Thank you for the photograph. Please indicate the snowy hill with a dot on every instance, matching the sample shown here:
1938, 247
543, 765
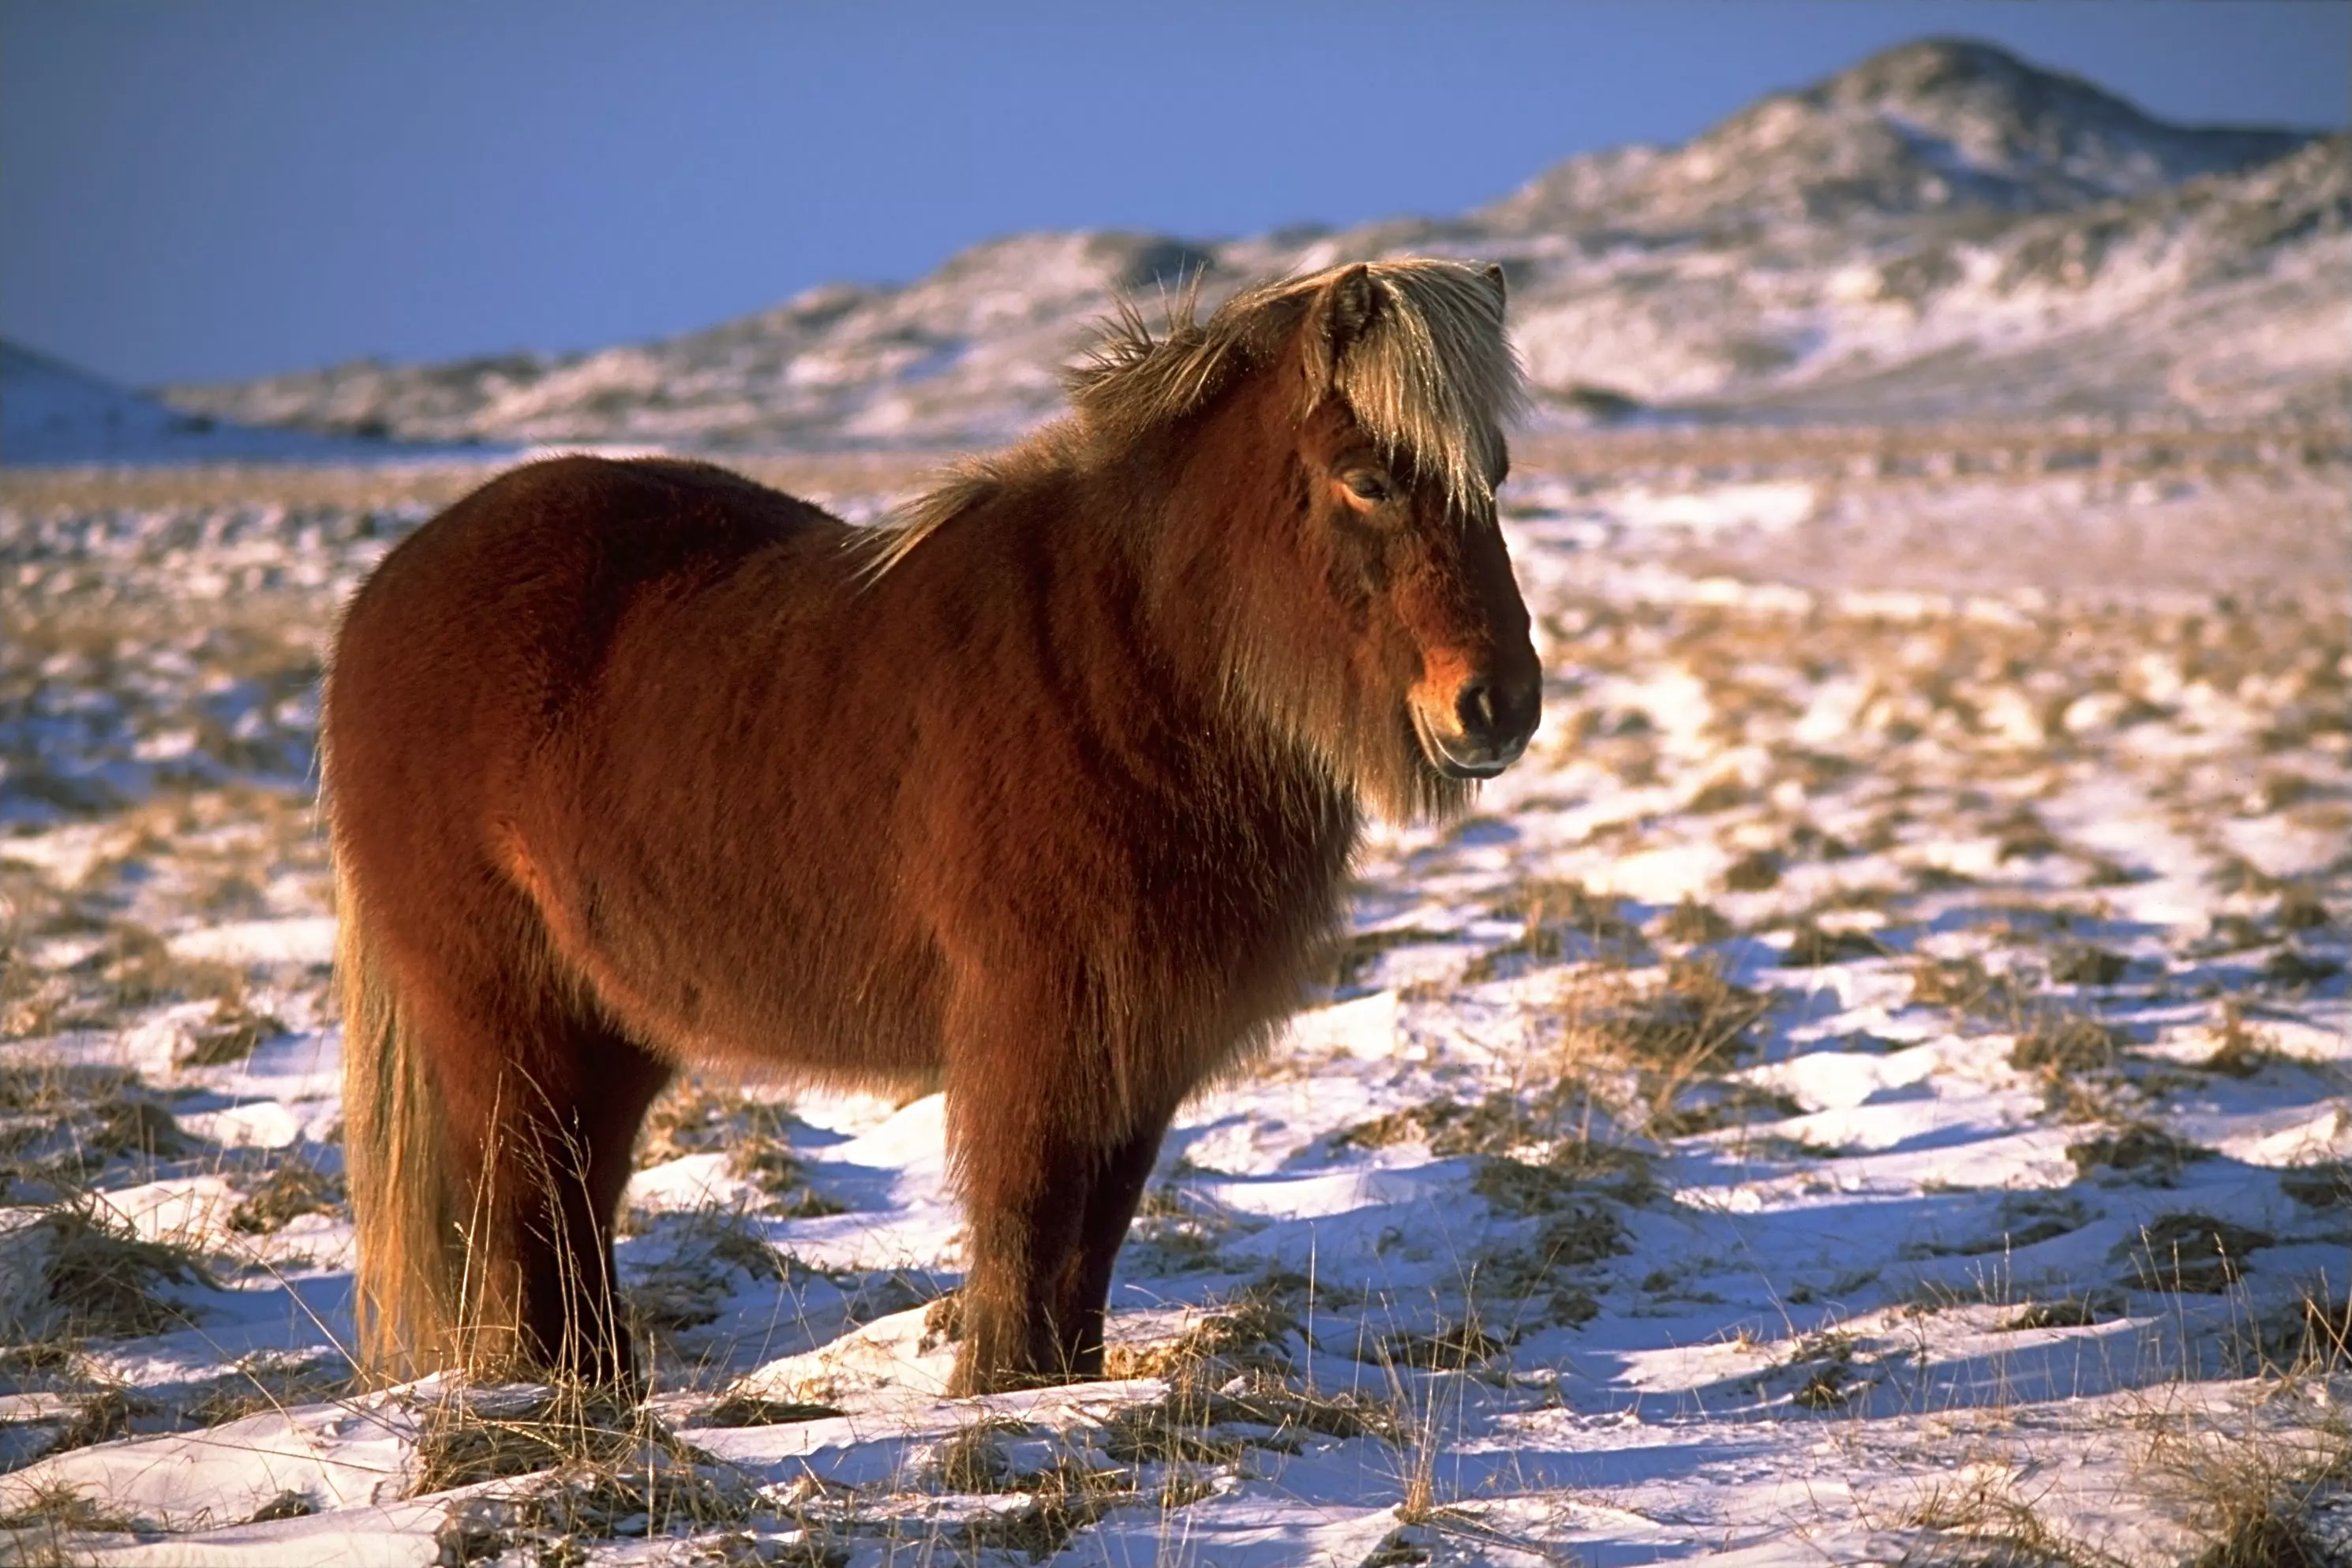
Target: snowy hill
1935, 126
1942, 232
53, 413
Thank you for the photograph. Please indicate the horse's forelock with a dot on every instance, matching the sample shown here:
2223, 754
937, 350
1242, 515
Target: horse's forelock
1432, 378
1431, 375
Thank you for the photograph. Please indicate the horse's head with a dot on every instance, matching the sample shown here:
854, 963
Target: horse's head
1394, 467
1329, 447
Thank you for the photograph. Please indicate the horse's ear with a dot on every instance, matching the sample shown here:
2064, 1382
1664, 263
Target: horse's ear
1345, 309
1494, 276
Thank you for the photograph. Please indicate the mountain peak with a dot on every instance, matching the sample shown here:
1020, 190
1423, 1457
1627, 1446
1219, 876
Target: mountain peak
1926, 69
1935, 124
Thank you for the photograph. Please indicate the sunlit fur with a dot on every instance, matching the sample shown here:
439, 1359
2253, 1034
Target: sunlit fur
636, 765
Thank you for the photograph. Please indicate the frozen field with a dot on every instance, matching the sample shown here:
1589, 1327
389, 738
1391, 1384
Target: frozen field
1870, 1088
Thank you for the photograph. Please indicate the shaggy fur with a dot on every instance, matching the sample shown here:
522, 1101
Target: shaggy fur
637, 766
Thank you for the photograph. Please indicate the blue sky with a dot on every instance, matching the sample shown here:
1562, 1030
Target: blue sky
239, 186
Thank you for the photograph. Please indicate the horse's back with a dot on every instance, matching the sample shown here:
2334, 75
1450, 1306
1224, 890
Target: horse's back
521, 583
576, 538
460, 657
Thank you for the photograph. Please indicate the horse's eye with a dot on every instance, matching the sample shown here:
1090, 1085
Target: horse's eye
1368, 485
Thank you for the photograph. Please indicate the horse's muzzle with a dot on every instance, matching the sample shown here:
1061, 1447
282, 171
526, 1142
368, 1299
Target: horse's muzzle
1487, 730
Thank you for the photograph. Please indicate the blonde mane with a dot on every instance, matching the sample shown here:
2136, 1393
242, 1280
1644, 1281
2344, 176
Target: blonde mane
1430, 377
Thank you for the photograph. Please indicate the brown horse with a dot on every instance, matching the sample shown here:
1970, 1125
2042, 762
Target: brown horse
1043, 794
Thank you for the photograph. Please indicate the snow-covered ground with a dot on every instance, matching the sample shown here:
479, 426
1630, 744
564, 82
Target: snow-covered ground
1871, 1088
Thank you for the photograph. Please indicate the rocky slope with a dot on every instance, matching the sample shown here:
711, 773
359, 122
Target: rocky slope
1943, 232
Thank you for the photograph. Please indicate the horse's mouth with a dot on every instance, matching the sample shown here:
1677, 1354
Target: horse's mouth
1456, 761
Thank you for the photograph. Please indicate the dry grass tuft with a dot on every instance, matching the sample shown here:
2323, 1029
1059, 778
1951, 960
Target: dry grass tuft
2024, 836
2138, 1152
652, 1491
54, 1511
694, 1118
271, 1381
2243, 1052
602, 1467
2189, 1253
1361, 952
1983, 1523
103, 1281
2265, 1539
59, 1124
1543, 903
2065, 1046
1251, 1334
285, 1505
1449, 1347
2083, 963
1499, 1122
1577, 1233
973, 1459
1693, 923
293, 1187
1189, 1425
750, 1410
2314, 1334
1963, 986
138, 970
480, 1435
2257, 1502
1062, 1500
1576, 1169
2301, 908
2063, 1312
2323, 1184
230, 1037
2025, 1220
1174, 1430
137, 1127
690, 1289
1811, 946
776, 1171
1401, 1548
1710, 1107
101, 1417
1688, 1019
1581, 1237
50, 1089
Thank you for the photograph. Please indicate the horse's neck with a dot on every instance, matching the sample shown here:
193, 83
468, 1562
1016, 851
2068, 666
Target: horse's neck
1140, 611
1205, 613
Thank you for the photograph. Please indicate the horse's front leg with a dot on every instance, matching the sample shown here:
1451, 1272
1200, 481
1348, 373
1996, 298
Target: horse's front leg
1047, 1204
1082, 1292
1025, 1183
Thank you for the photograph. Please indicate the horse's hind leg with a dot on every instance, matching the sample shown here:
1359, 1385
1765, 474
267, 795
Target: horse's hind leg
540, 1110
566, 1155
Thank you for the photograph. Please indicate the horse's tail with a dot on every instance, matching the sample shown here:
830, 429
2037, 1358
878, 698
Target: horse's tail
410, 1278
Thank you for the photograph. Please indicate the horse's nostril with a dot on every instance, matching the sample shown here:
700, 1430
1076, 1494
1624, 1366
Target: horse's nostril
1475, 708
